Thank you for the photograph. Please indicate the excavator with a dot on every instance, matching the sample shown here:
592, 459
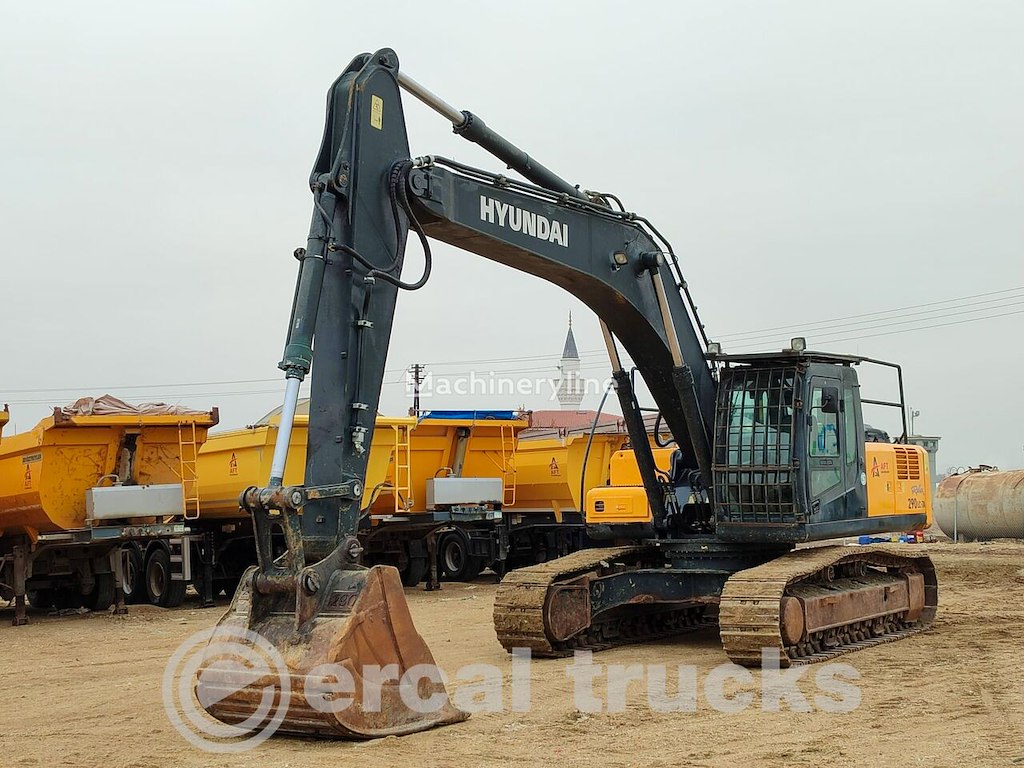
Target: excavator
767, 451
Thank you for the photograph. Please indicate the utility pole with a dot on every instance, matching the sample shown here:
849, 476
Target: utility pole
417, 379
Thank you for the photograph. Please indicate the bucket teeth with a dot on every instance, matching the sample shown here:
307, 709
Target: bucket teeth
357, 670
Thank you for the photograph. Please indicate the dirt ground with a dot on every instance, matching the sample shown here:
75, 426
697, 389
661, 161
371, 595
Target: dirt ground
86, 691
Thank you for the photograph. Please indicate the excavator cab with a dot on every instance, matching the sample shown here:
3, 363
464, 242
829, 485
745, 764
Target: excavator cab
790, 461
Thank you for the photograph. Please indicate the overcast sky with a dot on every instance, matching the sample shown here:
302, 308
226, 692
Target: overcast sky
811, 163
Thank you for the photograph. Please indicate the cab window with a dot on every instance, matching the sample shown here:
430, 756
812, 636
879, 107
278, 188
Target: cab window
823, 446
850, 435
760, 421
824, 428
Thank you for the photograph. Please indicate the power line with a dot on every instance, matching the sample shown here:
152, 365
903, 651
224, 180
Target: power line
929, 327
755, 339
148, 386
926, 314
744, 339
869, 314
902, 330
821, 325
179, 398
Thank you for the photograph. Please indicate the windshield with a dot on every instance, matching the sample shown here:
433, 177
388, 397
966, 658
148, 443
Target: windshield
759, 423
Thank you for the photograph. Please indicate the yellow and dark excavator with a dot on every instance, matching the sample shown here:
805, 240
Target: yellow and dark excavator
767, 451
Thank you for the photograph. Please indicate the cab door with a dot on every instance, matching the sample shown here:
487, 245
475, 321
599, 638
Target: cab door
826, 462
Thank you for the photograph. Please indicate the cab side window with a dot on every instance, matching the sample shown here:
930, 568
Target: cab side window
851, 435
824, 437
823, 446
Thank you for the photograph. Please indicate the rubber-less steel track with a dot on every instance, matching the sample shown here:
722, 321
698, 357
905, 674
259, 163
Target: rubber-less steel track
749, 612
521, 602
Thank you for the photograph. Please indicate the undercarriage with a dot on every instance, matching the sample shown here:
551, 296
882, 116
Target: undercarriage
797, 607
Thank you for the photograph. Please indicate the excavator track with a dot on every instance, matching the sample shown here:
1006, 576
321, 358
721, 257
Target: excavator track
520, 607
753, 608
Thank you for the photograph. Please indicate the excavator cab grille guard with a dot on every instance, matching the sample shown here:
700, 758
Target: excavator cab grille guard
755, 470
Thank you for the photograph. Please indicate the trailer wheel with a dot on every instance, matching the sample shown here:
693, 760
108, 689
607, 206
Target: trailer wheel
161, 589
41, 599
414, 570
134, 586
500, 568
67, 598
102, 595
455, 561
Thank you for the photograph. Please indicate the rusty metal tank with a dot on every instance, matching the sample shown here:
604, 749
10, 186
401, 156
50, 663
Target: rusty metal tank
981, 504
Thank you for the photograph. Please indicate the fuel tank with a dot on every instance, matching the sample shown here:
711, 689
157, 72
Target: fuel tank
981, 504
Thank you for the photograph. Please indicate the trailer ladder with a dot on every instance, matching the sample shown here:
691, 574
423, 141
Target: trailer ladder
188, 463
402, 481
508, 464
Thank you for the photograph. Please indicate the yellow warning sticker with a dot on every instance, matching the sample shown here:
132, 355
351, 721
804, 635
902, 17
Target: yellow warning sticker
377, 112
233, 465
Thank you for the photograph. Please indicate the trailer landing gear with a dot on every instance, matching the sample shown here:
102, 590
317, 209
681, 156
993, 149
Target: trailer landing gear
20, 575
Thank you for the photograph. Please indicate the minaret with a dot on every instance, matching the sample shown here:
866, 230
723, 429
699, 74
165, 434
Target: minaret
570, 382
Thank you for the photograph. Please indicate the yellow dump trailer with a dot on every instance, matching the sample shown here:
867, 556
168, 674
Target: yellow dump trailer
440, 480
405, 456
84, 483
229, 462
49, 475
549, 468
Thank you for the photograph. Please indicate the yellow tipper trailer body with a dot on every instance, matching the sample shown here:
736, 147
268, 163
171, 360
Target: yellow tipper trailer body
453, 487
45, 472
404, 455
230, 462
443, 446
548, 470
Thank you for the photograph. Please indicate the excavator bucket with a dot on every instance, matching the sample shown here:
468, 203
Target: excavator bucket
355, 669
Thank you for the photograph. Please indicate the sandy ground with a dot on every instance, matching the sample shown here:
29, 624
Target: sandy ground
86, 691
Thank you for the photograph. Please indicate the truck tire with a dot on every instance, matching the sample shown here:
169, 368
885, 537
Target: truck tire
41, 599
414, 571
67, 598
102, 595
456, 563
134, 577
161, 589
